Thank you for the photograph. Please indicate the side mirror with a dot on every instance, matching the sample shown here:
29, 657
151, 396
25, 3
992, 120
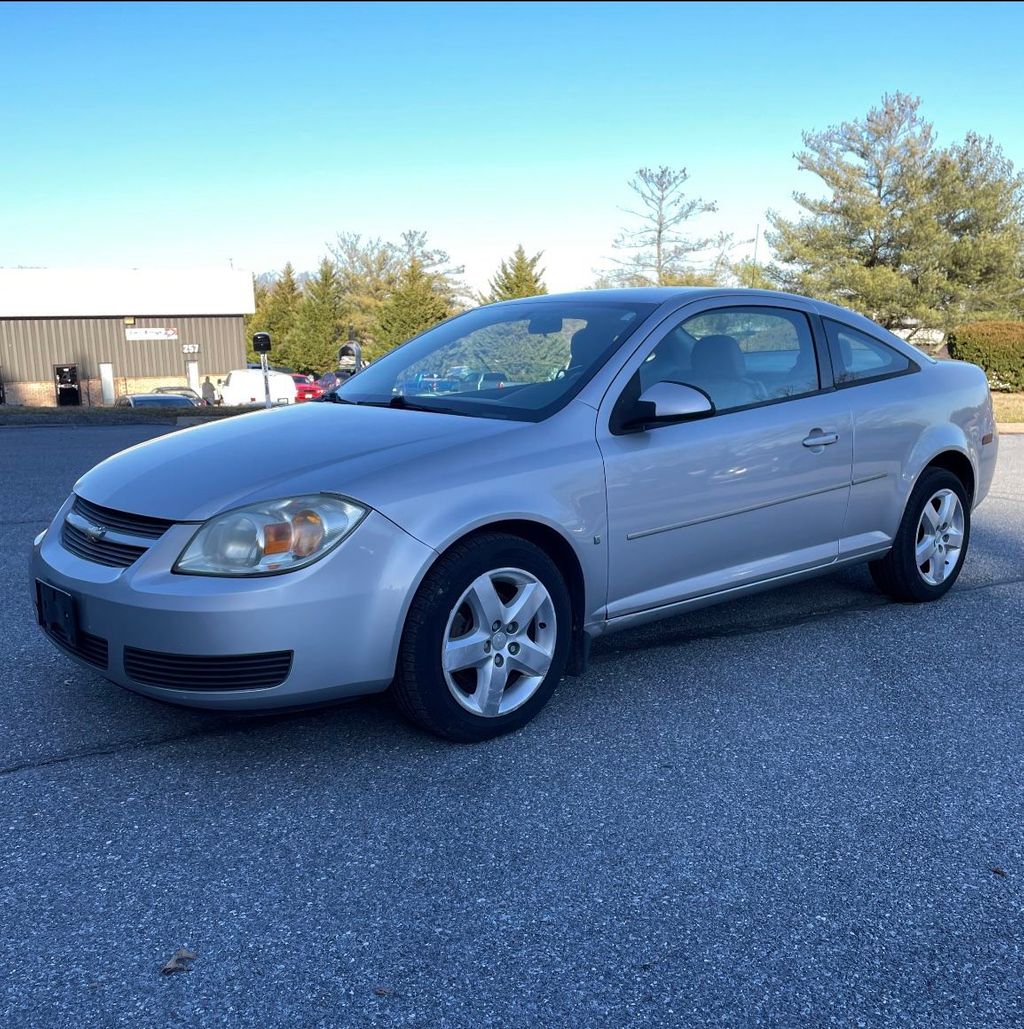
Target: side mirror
668, 402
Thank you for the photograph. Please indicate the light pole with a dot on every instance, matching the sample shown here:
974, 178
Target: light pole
261, 344
353, 350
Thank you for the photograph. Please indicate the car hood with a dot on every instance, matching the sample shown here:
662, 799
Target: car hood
195, 473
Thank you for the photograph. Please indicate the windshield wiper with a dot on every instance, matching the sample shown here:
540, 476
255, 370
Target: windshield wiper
398, 401
404, 404
401, 401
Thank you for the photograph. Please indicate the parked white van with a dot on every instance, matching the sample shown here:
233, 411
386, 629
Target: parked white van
244, 386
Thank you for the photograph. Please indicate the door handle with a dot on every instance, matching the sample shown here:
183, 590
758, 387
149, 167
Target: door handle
817, 438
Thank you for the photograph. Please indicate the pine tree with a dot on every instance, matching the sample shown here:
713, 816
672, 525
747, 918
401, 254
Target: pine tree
980, 201
659, 252
261, 295
415, 304
518, 276
370, 270
907, 233
435, 263
367, 271
320, 325
278, 315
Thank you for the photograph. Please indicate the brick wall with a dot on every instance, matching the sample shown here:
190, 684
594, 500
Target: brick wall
43, 394
30, 394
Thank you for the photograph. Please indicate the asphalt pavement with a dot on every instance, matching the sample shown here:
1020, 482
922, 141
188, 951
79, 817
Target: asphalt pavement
801, 809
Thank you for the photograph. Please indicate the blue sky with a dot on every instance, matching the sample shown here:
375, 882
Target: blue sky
172, 134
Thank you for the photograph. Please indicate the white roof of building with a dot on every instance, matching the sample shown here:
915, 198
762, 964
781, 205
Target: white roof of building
121, 292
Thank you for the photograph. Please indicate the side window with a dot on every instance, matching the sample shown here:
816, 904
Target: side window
738, 356
857, 357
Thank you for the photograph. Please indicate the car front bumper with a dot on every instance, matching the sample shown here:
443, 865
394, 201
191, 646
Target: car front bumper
341, 617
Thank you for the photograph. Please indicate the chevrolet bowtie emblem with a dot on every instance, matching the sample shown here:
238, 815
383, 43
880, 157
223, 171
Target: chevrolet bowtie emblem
96, 532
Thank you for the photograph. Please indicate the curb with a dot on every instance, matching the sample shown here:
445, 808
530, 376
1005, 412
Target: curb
1010, 428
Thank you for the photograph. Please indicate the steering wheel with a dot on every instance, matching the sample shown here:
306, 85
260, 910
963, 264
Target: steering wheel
564, 373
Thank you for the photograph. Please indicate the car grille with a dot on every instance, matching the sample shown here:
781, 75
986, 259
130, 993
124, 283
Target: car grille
99, 551
89, 648
121, 521
194, 672
116, 539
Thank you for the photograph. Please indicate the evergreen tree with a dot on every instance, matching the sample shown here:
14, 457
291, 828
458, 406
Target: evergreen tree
367, 270
980, 201
370, 270
416, 303
278, 314
321, 322
907, 234
658, 251
435, 263
751, 275
261, 295
518, 276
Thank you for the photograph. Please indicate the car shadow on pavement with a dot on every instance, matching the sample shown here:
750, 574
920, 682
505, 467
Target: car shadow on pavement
372, 724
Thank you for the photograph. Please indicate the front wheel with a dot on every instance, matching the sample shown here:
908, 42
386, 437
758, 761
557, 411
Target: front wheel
930, 545
486, 640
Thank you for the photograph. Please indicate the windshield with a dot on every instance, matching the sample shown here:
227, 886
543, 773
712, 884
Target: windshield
522, 360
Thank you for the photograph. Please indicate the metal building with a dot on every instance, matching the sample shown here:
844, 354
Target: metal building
87, 336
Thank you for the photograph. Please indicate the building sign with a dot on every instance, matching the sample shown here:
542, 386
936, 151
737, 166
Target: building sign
137, 333
190, 348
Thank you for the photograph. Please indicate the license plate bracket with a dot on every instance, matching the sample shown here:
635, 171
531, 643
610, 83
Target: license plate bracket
57, 612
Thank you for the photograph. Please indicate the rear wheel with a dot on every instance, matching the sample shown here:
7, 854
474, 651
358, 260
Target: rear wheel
931, 543
486, 640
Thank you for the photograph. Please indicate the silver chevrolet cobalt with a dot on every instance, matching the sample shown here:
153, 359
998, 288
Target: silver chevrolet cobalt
459, 520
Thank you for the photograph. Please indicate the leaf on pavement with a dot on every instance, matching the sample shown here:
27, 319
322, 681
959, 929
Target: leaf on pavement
179, 961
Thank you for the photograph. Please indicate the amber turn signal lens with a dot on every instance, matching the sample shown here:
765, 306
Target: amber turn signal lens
277, 538
307, 533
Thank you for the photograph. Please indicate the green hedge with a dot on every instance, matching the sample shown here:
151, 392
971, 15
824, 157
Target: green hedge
997, 346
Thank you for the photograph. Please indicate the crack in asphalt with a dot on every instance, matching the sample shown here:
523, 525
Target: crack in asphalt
116, 748
235, 724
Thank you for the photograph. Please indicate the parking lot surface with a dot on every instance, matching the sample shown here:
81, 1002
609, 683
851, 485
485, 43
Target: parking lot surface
800, 809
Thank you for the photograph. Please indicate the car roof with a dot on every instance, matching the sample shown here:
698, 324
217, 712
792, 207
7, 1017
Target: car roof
665, 294
629, 294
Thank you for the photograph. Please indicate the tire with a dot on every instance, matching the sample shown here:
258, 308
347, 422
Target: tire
511, 674
901, 574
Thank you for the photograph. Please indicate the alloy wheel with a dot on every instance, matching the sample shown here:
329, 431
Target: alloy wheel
499, 642
940, 537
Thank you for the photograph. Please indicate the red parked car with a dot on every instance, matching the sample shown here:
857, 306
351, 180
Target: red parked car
306, 388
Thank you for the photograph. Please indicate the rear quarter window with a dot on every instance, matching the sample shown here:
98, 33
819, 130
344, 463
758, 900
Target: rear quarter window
857, 357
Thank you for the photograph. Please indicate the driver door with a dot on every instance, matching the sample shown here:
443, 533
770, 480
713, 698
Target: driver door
756, 491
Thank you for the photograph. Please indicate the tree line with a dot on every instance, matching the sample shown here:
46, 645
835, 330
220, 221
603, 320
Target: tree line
911, 234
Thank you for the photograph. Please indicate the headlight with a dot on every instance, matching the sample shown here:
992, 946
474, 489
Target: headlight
269, 538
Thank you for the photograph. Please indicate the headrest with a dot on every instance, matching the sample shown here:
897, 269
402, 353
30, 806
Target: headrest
845, 354
718, 357
586, 344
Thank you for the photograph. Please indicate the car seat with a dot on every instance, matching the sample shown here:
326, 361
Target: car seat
719, 370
